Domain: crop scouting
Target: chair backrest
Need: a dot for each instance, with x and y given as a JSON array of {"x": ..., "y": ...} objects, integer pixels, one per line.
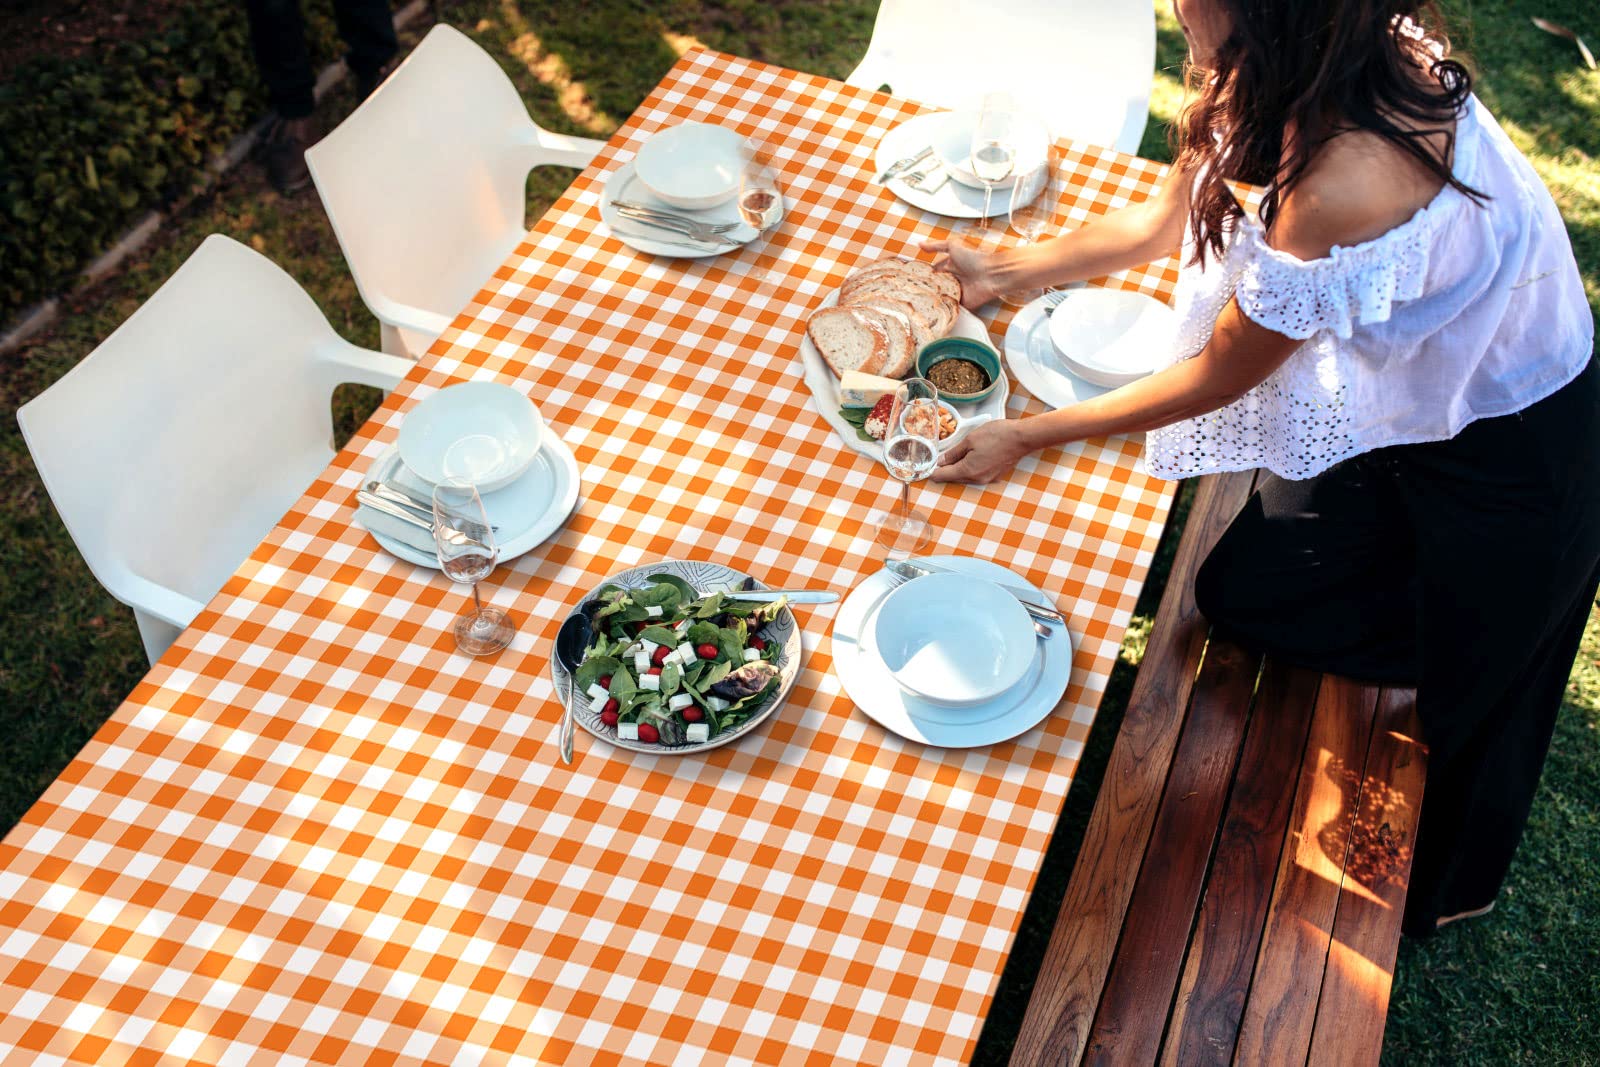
[
  {"x": 1083, "y": 66},
  {"x": 180, "y": 441},
  {"x": 425, "y": 182}
]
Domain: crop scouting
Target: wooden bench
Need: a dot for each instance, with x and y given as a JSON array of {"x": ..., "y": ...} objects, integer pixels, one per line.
[{"x": 1239, "y": 890}]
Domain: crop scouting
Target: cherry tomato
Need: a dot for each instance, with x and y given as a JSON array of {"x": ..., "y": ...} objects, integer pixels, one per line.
[
  {"x": 610, "y": 709},
  {"x": 693, "y": 714},
  {"x": 648, "y": 734},
  {"x": 605, "y": 681},
  {"x": 653, "y": 670},
  {"x": 659, "y": 656},
  {"x": 608, "y": 717},
  {"x": 758, "y": 643},
  {"x": 706, "y": 651}
]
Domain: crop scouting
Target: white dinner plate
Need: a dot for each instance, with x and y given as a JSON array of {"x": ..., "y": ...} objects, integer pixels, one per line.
[
  {"x": 1032, "y": 357},
  {"x": 703, "y": 578},
  {"x": 867, "y": 681},
  {"x": 624, "y": 184},
  {"x": 943, "y": 130},
  {"x": 824, "y": 386},
  {"x": 527, "y": 511},
  {"x": 1111, "y": 337}
]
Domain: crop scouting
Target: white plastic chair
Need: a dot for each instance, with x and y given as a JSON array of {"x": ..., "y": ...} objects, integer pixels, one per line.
[
  {"x": 426, "y": 184},
  {"x": 1083, "y": 66},
  {"x": 180, "y": 441}
]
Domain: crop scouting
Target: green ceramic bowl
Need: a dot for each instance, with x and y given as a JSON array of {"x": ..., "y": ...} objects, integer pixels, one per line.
[{"x": 935, "y": 352}]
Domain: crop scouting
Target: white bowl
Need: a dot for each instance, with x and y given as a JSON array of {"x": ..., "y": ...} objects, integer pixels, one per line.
[
  {"x": 954, "y": 639},
  {"x": 692, "y": 165},
  {"x": 1111, "y": 337},
  {"x": 484, "y": 432}
]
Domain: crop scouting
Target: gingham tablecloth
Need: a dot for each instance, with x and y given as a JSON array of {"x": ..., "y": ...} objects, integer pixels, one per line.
[{"x": 314, "y": 833}]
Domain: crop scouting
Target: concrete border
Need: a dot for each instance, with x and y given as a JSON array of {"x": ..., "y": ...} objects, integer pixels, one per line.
[{"x": 44, "y": 314}]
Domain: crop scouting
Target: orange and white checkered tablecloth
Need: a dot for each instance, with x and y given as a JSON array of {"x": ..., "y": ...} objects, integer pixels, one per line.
[{"x": 314, "y": 833}]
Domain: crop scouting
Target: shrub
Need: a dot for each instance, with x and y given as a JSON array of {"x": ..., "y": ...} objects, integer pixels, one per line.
[{"x": 89, "y": 144}]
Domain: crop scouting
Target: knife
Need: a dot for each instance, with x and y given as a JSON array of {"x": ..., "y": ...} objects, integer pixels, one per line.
[
  {"x": 904, "y": 164},
  {"x": 1027, "y": 597},
  {"x": 404, "y": 514},
  {"x": 398, "y": 495}
]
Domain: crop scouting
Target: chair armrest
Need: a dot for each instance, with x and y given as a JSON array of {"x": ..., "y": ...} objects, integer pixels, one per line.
[
  {"x": 168, "y": 605},
  {"x": 405, "y": 316},
  {"x": 352, "y": 363},
  {"x": 556, "y": 149}
]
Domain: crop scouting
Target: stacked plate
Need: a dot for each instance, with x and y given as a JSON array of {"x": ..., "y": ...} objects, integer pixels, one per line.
[
  {"x": 1091, "y": 341},
  {"x": 690, "y": 170},
  {"x": 957, "y": 668},
  {"x": 490, "y": 435}
]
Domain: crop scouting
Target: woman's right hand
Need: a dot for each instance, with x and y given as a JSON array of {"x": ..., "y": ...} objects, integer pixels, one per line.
[{"x": 973, "y": 268}]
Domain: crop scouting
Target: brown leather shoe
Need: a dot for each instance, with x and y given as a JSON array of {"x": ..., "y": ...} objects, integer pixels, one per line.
[{"x": 283, "y": 153}]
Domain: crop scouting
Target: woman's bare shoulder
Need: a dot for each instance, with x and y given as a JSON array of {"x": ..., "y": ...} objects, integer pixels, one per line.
[{"x": 1359, "y": 186}]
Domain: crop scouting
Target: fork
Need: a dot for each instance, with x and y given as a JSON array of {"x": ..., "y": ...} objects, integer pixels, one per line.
[
  {"x": 691, "y": 228},
  {"x": 897, "y": 580},
  {"x": 1054, "y": 299},
  {"x": 895, "y": 168}
]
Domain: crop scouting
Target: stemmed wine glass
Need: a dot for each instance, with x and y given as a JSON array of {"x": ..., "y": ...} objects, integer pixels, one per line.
[
  {"x": 760, "y": 199},
  {"x": 910, "y": 451},
  {"x": 1032, "y": 215},
  {"x": 994, "y": 152},
  {"x": 467, "y": 553}
]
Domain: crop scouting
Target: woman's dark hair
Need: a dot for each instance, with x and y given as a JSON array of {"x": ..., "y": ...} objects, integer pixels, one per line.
[{"x": 1323, "y": 69}]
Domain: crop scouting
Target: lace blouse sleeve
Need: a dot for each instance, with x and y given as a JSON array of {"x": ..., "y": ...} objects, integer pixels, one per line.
[{"x": 1349, "y": 286}]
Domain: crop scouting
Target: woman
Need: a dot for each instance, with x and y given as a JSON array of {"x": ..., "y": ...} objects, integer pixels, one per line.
[{"x": 1402, "y": 340}]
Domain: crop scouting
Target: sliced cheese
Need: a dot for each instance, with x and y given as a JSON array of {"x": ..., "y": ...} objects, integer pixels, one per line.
[{"x": 858, "y": 390}]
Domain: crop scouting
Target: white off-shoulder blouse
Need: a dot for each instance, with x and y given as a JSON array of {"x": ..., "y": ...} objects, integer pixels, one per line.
[{"x": 1464, "y": 311}]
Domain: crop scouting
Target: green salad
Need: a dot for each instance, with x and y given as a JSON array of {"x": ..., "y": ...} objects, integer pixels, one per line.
[{"x": 670, "y": 666}]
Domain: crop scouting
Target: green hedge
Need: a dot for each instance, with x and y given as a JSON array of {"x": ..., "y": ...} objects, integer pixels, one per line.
[{"x": 89, "y": 144}]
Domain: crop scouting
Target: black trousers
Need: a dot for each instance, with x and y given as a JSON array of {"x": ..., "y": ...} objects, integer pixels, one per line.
[
  {"x": 278, "y": 37},
  {"x": 1466, "y": 568}
]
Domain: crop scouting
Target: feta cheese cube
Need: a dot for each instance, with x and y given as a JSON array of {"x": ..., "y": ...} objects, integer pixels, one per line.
[
  {"x": 653, "y": 610},
  {"x": 698, "y": 731},
  {"x": 598, "y": 704},
  {"x": 627, "y": 731},
  {"x": 686, "y": 654},
  {"x": 641, "y": 662},
  {"x": 752, "y": 654},
  {"x": 680, "y": 701},
  {"x": 682, "y": 628},
  {"x": 650, "y": 681},
  {"x": 716, "y": 704},
  {"x": 649, "y": 646},
  {"x": 597, "y": 691}
]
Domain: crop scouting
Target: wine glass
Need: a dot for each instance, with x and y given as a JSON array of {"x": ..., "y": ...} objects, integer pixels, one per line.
[
  {"x": 1031, "y": 215},
  {"x": 760, "y": 199},
  {"x": 910, "y": 451},
  {"x": 994, "y": 152},
  {"x": 464, "y": 541}
]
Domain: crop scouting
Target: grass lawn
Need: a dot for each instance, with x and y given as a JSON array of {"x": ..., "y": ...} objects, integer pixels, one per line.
[{"x": 1522, "y": 986}]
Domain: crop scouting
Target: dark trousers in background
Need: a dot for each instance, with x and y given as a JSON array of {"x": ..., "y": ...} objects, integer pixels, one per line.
[
  {"x": 278, "y": 36},
  {"x": 1466, "y": 568}
]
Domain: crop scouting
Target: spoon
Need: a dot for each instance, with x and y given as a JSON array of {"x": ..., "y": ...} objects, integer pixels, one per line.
[{"x": 571, "y": 641}]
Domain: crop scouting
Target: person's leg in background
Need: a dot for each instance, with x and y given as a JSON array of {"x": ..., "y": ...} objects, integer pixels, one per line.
[
  {"x": 367, "y": 27},
  {"x": 278, "y": 38}
]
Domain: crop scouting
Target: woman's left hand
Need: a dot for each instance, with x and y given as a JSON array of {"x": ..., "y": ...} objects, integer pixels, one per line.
[{"x": 987, "y": 453}]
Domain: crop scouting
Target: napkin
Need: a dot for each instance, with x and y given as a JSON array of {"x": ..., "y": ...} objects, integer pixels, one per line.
[{"x": 389, "y": 526}]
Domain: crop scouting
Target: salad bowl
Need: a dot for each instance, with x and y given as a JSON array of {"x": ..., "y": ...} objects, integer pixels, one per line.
[{"x": 782, "y": 631}]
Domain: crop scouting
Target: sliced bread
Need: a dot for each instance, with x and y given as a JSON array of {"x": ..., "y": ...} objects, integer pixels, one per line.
[
  {"x": 848, "y": 340},
  {"x": 901, "y": 354},
  {"x": 919, "y": 269}
]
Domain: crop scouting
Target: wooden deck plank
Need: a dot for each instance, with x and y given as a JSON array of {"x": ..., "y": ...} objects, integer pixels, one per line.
[
  {"x": 1056, "y": 1024},
  {"x": 1133, "y": 1007},
  {"x": 1280, "y": 1011},
  {"x": 1366, "y": 930},
  {"x": 1222, "y": 951}
]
